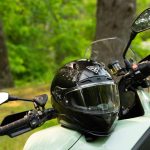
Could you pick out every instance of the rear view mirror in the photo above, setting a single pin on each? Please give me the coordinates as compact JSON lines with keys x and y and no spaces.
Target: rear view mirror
{"x":142,"y":22}
{"x":3,"y":97}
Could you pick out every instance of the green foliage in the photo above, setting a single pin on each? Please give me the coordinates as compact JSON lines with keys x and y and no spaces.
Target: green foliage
{"x":142,"y":5}
{"x":140,"y":46}
{"x":42,"y":35}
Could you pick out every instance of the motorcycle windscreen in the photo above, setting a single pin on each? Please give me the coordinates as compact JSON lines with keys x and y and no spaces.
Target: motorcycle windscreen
{"x":101,"y":98}
{"x":106,"y":51}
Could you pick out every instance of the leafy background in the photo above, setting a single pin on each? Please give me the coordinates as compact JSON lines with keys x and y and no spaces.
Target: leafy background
{"x":42,"y":35}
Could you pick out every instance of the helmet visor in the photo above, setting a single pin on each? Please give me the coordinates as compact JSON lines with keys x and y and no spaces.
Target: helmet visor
{"x":103,"y":98}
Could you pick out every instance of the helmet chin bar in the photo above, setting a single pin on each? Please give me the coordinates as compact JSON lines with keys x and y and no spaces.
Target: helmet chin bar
{"x":90,"y":135}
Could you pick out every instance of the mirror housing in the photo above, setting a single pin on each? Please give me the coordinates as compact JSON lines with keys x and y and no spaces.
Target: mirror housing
{"x":3,"y":97}
{"x":142,"y":22}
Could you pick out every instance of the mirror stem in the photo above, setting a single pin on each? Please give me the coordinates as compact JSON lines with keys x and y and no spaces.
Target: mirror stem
{"x":132,"y":36}
{"x":13,"y":98}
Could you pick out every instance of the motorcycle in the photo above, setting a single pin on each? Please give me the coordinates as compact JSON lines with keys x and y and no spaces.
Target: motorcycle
{"x":130,"y":70}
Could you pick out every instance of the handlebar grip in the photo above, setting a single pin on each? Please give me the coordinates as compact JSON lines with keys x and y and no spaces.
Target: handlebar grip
{"x":144,"y":68}
{"x":14,"y":125}
{"x":31,"y":120}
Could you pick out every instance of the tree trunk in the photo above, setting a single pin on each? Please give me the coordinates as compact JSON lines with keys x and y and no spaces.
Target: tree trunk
{"x":114,"y":19}
{"x":5,"y":74}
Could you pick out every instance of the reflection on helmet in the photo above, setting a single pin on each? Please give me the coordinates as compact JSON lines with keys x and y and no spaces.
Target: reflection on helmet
{"x":85,"y":97}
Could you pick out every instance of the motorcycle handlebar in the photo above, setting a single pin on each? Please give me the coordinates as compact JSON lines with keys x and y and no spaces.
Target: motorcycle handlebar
{"x":30,"y":121}
{"x":16,"y":124}
{"x":137,"y":74}
{"x":144,"y":68}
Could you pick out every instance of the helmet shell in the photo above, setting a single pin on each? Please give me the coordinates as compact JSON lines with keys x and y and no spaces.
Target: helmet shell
{"x":75,"y":75}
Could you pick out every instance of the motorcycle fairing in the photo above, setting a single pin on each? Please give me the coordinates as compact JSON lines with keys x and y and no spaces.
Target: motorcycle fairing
{"x":54,"y":138}
{"x":126,"y":135}
{"x":144,"y":142}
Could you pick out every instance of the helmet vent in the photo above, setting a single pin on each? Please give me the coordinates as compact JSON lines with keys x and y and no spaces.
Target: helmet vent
{"x":75,"y":66}
{"x":86,"y":81}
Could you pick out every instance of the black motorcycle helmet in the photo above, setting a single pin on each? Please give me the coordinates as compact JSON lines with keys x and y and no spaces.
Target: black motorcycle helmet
{"x":85,"y":98}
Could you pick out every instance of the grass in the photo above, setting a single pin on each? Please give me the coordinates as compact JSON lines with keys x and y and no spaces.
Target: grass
{"x":17,"y":143}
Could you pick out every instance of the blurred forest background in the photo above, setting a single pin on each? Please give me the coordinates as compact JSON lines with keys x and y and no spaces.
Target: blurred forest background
{"x":40,"y":36}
